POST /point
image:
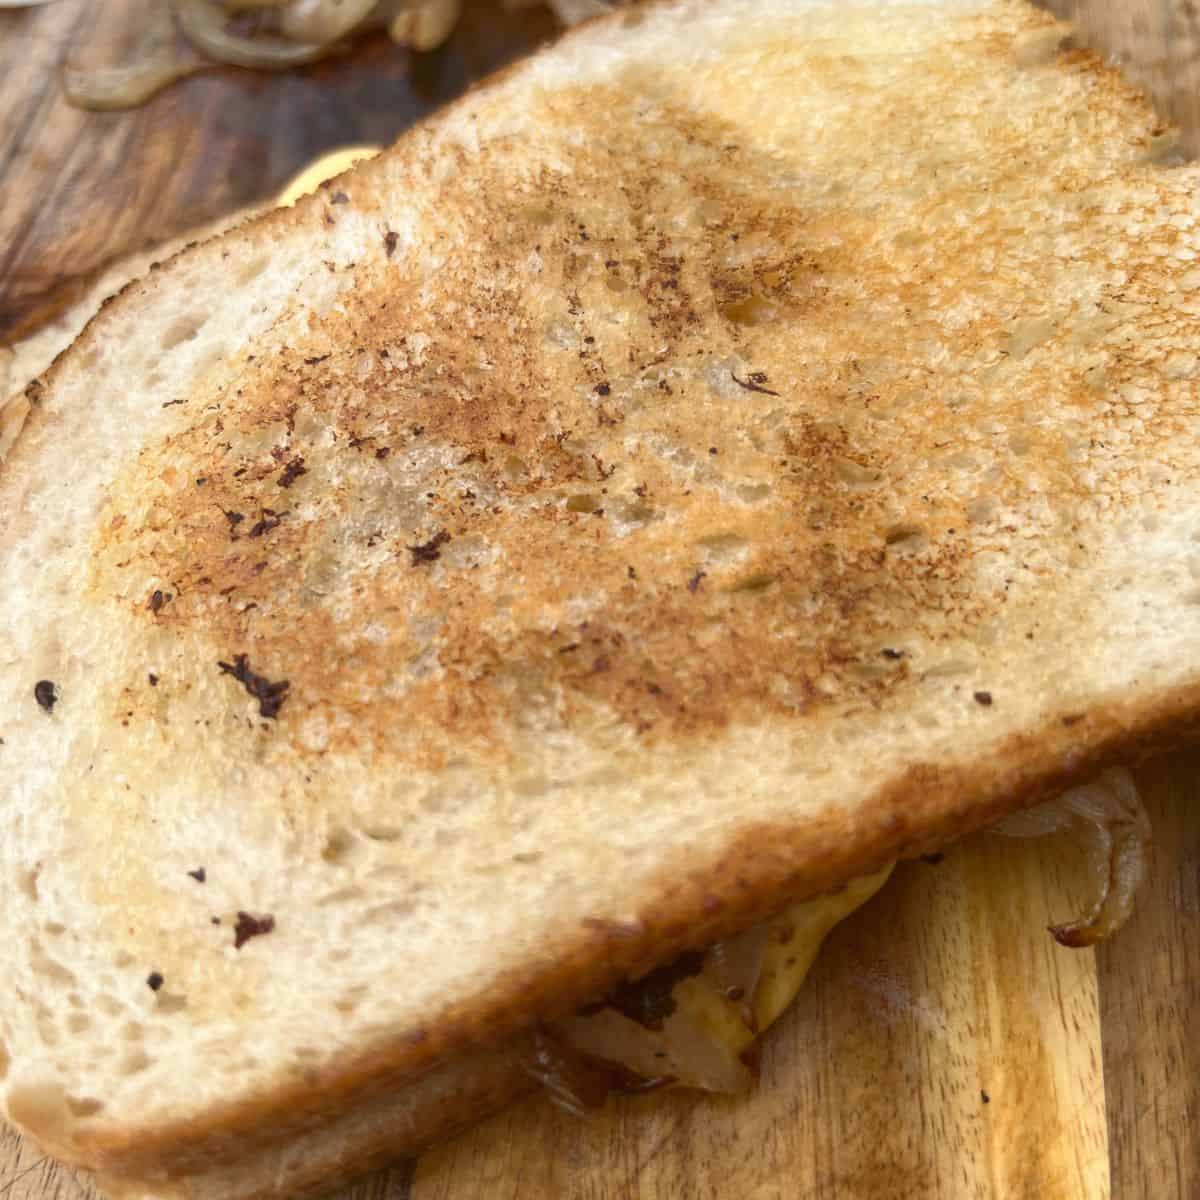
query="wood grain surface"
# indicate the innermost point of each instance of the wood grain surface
(944, 1045)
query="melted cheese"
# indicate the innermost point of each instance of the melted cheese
(321, 169)
(703, 1041)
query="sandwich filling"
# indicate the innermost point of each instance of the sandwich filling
(695, 1022)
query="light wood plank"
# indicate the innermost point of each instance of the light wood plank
(1150, 1003)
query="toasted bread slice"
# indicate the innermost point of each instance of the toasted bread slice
(33, 353)
(735, 448)
(36, 349)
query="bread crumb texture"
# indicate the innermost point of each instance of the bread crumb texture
(674, 440)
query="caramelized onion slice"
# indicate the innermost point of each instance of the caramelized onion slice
(307, 30)
(1040, 821)
(425, 26)
(572, 12)
(1122, 834)
(106, 89)
(205, 23)
(572, 1081)
(699, 1044)
(321, 21)
(156, 61)
(694, 1020)
(1109, 811)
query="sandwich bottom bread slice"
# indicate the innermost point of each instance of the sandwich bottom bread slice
(27, 358)
(31, 354)
(737, 448)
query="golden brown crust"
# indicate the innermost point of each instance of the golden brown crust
(480, 463)
(551, 481)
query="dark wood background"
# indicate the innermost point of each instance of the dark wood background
(944, 1047)
(78, 189)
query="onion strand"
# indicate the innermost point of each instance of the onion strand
(205, 23)
(107, 89)
(286, 34)
(319, 22)
(1109, 812)
(1123, 840)
(155, 62)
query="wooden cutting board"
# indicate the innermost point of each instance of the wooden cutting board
(944, 1045)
